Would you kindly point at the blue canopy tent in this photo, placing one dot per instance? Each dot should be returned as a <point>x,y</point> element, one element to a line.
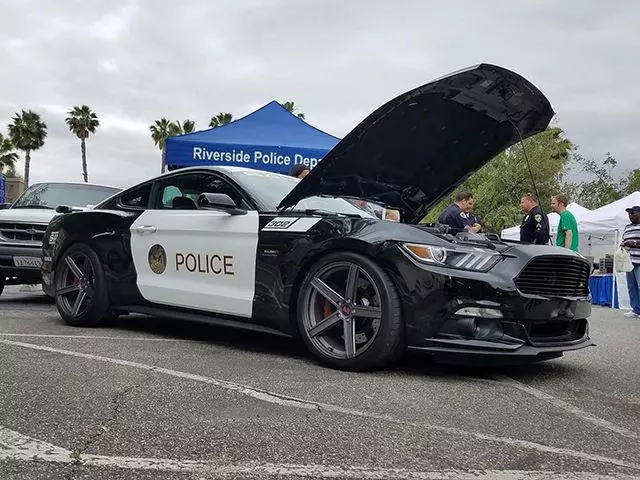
<point>271,138</point>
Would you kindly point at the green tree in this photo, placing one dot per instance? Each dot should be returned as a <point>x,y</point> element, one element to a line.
<point>160,131</point>
<point>27,132</point>
<point>82,121</point>
<point>189,126</point>
<point>163,129</point>
<point>498,186</point>
<point>177,128</point>
<point>600,186</point>
<point>220,119</point>
<point>8,157</point>
<point>292,107</point>
<point>633,184</point>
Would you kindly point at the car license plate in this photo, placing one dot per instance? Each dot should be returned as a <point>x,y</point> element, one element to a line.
<point>33,262</point>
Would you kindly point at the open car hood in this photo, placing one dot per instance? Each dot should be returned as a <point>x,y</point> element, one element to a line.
<point>421,145</point>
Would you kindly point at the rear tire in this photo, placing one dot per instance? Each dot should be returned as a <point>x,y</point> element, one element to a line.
<point>81,289</point>
<point>349,313</point>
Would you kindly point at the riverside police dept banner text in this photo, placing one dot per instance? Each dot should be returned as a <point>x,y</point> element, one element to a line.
<point>257,157</point>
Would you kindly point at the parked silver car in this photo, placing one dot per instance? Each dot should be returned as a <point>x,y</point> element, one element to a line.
<point>22,225</point>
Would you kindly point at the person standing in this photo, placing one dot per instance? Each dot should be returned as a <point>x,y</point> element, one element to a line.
<point>535,225</point>
<point>631,241</point>
<point>299,171</point>
<point>457,215</point>
<point>568,226</point>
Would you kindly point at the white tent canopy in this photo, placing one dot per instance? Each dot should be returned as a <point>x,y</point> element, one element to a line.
<point>608,218</point>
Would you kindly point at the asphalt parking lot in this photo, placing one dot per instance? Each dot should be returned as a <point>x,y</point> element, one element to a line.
<point>150,399</point>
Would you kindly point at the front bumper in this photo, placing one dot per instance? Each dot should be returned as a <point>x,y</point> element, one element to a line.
<point>20,264</point>
<point>482,317</point>
<point>465,354</point>
<point>495,352</point>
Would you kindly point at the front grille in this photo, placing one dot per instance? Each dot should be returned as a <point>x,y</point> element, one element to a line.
<point>557,331</point>
<point>22,232</point>
<point>548,332</point>
<point>555,276</point>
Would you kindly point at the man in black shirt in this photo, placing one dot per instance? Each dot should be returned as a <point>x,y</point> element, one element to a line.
<point>458,216</point>
<point>535,225</point>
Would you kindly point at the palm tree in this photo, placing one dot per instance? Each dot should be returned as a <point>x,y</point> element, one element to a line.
<point>8,157</point>
<point>220,119</point>
<point>160,131</point>
<point>27,132</point>
<point>82,121</point>
<point>188,126</point>
<point>292,107</point>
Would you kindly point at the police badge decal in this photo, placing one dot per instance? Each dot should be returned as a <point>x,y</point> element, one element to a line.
<point>157,259</point>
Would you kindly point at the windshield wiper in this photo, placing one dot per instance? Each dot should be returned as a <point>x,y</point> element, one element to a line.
<point>33,206</point>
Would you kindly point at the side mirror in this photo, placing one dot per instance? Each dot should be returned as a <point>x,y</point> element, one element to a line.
<point>63,209</point>
<point>219,201</point>
<point>67,209</point>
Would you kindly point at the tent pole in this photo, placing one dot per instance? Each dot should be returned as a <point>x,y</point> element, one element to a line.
<point>613,276</point>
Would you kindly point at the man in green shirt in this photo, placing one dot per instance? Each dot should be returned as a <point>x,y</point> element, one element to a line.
<point>568,227</point>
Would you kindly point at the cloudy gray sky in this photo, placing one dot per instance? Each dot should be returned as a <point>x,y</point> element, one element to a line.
<point>137,61</point>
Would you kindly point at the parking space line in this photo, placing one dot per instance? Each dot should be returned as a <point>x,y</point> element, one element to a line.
<point>95,337</point>
<point>285,400</point>
<point>578,412</point>
<point>18,447</point>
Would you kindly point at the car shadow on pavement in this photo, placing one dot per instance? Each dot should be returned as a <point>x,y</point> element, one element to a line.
<point>233,338</point>
<point>424,365</point>
<point>411,364</point>
<point>27,299</point>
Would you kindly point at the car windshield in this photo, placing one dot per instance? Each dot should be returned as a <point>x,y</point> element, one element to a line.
<point>271,188</point>
<point>50,195</point>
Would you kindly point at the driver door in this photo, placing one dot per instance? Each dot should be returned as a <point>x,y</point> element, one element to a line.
<point>193,258</point>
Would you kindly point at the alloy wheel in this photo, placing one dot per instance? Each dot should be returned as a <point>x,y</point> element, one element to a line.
<point>342,311</point>
<point>75,284</point>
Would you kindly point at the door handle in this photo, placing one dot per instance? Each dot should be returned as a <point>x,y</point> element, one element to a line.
<point>146,229</point>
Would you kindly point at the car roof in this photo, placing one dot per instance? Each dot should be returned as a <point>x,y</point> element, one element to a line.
<point>76,183</point>
<point>222,168</point>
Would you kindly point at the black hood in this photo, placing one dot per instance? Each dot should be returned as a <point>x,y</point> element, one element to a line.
<point>421,145</point>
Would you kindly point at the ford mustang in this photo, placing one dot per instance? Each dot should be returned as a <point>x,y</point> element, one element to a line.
<point>246,248</point>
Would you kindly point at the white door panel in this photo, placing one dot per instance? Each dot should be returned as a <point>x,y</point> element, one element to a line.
<point>201,259</point>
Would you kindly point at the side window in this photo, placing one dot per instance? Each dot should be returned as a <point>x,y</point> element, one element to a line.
<point>182,192</point>
<point>215,184</point>
<point>138,198</point>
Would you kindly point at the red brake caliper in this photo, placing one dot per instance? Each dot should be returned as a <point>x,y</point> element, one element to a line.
<point>327,309</point>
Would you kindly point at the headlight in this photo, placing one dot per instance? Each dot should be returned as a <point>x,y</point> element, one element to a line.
<point>466,258</point>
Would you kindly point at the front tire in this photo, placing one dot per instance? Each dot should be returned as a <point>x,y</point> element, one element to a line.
<point>81,293</point>
<point>349,313</point>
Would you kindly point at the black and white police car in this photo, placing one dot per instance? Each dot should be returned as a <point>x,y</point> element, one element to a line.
<point>247,248</point>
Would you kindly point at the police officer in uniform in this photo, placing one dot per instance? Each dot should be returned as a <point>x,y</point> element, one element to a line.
<point>535,225</point>
<point>458,215</point>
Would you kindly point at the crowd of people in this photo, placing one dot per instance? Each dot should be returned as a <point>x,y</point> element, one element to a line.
<point>534,227</point>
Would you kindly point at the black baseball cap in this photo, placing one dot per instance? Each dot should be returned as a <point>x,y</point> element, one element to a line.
<point>634,209</point>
